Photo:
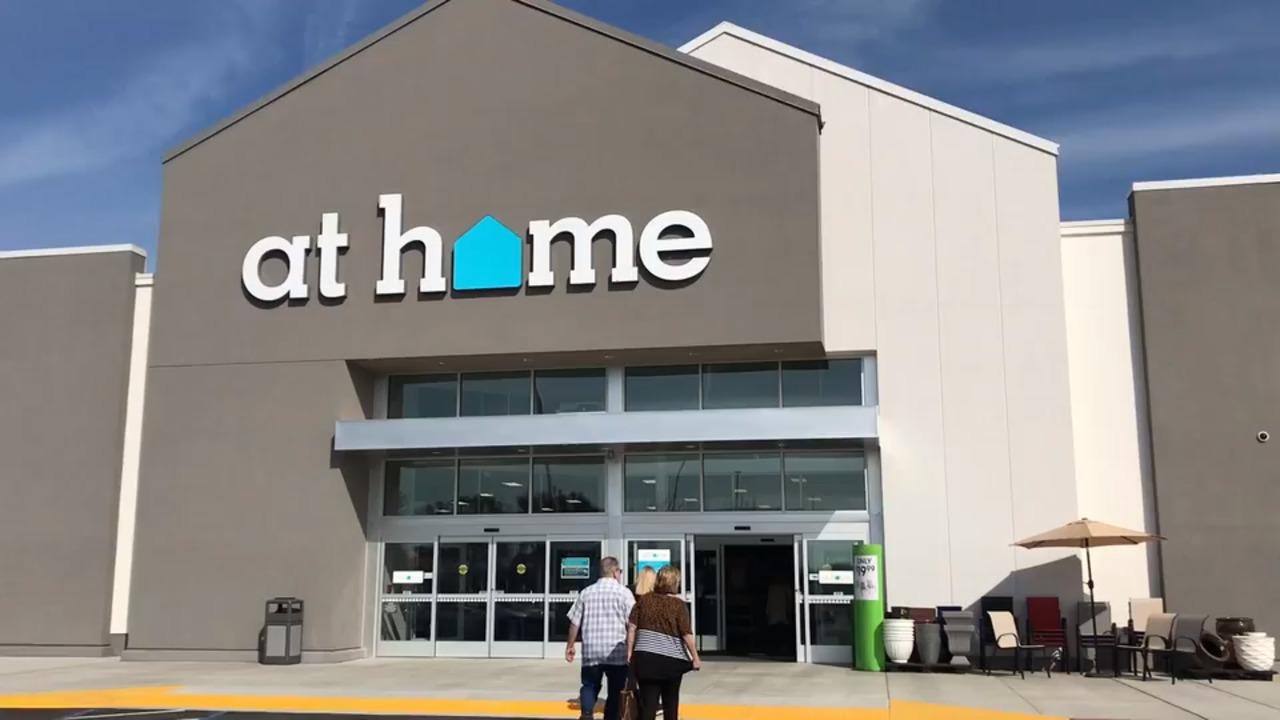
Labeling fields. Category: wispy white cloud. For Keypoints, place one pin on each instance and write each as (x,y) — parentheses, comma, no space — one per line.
(839,28)
(1102,51)
(146,110)
(1207,123)
(328,30)
(856,21)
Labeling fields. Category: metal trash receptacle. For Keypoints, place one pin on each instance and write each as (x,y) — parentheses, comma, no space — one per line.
(280,642)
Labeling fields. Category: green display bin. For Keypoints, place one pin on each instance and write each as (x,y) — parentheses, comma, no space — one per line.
(868,608)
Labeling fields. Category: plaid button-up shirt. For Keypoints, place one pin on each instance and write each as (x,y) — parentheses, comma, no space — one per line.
(601,613)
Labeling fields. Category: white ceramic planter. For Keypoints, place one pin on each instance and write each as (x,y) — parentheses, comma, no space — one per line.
(899,639)
(1254,651)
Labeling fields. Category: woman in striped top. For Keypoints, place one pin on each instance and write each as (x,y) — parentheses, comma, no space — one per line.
(660,646)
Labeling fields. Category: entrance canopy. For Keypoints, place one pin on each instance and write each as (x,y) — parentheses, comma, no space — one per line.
(707,426)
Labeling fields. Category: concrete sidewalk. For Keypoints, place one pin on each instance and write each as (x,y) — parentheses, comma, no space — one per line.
(724,690)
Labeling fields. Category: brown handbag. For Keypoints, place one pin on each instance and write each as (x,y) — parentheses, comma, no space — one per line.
(630,699)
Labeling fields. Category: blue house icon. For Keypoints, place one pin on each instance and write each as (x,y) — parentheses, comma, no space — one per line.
(488,257)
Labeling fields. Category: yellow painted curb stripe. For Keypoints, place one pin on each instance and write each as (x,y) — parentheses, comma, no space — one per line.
(907,710)
(171,697)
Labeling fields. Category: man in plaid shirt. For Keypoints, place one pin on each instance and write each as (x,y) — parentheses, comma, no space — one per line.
(600,616)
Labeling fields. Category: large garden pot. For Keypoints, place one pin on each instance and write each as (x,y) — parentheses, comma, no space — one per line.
(1230,627)
(1255,651)
(929,642)
(962,630)
(1213,651)
(899,638)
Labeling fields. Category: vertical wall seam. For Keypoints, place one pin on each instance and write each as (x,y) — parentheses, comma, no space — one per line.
(942,392)
(1004,362)
(877,514)
(871,204)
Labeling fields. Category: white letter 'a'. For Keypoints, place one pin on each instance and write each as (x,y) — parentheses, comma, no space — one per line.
(294,285)
(394,243)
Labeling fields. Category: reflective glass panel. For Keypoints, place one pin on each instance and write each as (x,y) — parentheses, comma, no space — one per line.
(422,396)
(517,621)
(569,484)
(742,481)
(740,385)
(496,394)
(406,621)
(408,568)
(521,567)
(493,486)
(822,383)
(655,554)
(462,621)
(419,487)
(662,483)
(464,568)
(661,388)
(825,481)
(575,565)
(569,391)
(831,625)
(831,567)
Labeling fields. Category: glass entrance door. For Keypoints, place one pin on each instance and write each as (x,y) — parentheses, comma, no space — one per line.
(706,596)
(519,598)
(463,598)
(656,554)
(828,592)
(405,616)
(575,565)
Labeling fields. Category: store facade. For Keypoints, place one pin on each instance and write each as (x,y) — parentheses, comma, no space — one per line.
(502,290)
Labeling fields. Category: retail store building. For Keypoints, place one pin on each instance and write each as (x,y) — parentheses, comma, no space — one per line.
(502,290)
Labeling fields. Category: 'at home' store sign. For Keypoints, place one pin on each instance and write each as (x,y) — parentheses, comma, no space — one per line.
(489,256)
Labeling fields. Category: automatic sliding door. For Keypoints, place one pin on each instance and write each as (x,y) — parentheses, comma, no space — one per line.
(463,599)
(828,594)
(706,596)
(519,598)
(657,554)
(406,589)
(574,566)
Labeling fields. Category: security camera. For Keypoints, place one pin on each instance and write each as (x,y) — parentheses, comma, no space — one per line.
(1263,436)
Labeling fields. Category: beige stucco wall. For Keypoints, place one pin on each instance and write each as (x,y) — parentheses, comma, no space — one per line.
(1104,344)
(940,253)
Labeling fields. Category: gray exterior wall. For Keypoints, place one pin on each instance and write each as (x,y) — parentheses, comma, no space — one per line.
(1208,263)
(501,107)
(495,107)
(64,373)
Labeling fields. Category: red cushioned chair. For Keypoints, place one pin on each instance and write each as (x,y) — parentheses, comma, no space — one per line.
(1046,626)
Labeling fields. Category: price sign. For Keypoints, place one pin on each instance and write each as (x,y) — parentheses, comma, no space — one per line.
(866,571)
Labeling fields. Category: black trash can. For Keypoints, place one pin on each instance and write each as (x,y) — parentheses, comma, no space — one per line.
(280,642)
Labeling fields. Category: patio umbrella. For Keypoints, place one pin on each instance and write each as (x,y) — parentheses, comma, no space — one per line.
(1087,534)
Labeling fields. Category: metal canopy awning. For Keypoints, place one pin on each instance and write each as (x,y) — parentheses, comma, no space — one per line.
(608,429)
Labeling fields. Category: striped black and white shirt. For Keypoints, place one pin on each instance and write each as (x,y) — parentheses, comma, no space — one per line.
(662,622)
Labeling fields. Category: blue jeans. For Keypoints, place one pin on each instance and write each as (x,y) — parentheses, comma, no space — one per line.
(593,677)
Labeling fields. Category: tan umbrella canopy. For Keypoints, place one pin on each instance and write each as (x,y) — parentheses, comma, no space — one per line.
(1085,534)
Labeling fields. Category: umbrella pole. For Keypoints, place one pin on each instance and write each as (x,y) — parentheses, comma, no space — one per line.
(1093,606)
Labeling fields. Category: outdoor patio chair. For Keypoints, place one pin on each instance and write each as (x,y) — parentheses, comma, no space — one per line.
(1045,624)
(1157,640)
(1186,651)
(1086,639)
(989,603)
(1005,629)
(1140,611)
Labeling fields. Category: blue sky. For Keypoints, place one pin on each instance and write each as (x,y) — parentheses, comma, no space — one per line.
(1133,89)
